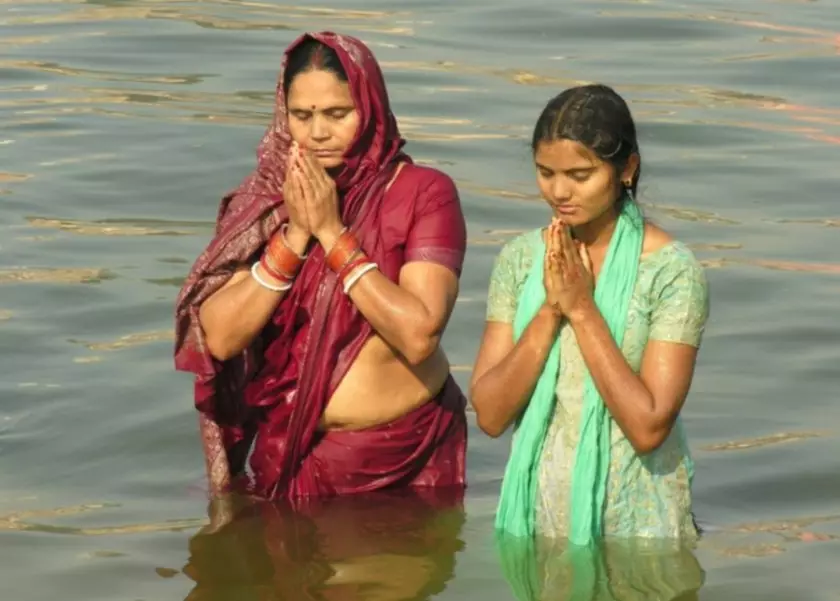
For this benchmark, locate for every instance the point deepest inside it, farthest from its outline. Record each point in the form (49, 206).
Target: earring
(629, 190)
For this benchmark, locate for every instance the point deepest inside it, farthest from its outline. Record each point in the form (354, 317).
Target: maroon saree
(260, 411)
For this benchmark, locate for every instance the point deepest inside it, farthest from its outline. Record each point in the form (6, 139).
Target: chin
(330, 162)
(573, 220)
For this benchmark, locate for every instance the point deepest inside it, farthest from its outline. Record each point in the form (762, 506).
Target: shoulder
(666, 261)
(678, 293)
(674, 273)
(515, 259)
(661, 252)
(510, 271)
(655, 239)
(673, 258)
(426, 181)
(424, 192)
(521, 247)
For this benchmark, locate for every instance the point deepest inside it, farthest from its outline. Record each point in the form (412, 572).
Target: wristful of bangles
(282, 264)
(347, 259)
(279, 262)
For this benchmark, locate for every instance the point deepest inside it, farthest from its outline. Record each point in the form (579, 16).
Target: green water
(122, 123)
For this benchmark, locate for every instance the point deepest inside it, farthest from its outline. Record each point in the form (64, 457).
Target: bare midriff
(381, 387)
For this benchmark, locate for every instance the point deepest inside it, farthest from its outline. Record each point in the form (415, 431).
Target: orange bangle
(273, 272)
(283, 258)
(342, 251)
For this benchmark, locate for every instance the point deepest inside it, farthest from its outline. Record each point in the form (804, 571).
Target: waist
(449, 400)
(380, 387)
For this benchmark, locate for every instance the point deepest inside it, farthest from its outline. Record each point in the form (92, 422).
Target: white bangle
(356, 275)
(264, 284)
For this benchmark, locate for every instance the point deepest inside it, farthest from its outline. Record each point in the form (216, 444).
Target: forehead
(565, 155)
(320, 89)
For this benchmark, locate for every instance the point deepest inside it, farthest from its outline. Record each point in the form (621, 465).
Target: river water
(123, 122)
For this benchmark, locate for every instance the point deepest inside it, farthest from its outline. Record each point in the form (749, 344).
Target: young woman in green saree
(593, 328)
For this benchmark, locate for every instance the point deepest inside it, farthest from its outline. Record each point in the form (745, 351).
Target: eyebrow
(337, 107)
(589, 167)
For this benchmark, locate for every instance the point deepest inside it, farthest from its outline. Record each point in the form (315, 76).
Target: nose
(561, 191)
(320, 129)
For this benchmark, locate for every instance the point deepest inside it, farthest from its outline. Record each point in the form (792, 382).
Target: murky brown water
(122, 123)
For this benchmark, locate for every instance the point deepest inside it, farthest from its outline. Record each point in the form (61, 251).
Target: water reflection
(617, 570)
(376, 547)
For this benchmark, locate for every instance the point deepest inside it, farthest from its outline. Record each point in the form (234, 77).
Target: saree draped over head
(260, 411)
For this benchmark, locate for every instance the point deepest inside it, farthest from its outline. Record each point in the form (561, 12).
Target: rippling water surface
(122, 123)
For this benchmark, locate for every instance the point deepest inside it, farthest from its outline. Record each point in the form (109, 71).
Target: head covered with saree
(320, 329)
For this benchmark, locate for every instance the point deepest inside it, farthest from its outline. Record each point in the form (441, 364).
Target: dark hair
(597, 117)
(311, 55)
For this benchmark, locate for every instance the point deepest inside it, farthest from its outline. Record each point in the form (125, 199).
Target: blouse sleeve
(681, 304)
(439, 232)
(508, 272)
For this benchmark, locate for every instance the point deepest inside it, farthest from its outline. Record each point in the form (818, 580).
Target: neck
(597, 233)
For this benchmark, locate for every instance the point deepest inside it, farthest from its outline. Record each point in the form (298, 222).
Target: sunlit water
(122, 123)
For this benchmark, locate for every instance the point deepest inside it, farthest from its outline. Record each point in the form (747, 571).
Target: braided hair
(597, 117)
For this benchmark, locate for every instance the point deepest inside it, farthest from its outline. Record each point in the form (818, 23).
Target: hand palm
(568, 270)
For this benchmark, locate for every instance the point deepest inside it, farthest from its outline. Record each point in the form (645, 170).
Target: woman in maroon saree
(285, 411)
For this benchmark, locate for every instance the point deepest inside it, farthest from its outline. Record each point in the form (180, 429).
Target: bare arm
(411, 315)
(645, 406)
(505, 373)
(235, 315)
